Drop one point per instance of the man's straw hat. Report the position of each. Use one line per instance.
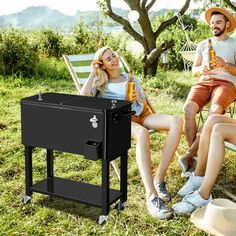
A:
(223, 11)
(217, 218)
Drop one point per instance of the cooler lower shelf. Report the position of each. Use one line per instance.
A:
(73, 190)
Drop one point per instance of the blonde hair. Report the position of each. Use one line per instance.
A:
(101, 77)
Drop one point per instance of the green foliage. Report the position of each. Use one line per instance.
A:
(201, 32)
(196, 32)
(69, 46)
(212, 3)
(51, 68)
(174, 32)
(173, 85)
(17, 55)
(88, 40)
(50, 43)
(18, 49)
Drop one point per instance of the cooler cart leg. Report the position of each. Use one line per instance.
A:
(28, 174)
(49, 163)
(123, 182)
(123, 179)
(50, 171)
(105, 192)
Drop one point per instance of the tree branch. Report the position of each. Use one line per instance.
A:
(143, 4)
(109, 5)
(134, 4)
(126, 25)
(150, 5)
(155, 53)
(230, 4)
(172, 20)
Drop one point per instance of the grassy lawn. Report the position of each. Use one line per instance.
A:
(54, 216)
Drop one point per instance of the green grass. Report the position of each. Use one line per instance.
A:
(46, 216)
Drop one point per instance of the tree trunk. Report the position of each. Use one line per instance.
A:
(149, 36)
(150, 69)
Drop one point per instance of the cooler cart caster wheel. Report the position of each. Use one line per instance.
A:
(26, 199)
(102, 219)
(120, 206)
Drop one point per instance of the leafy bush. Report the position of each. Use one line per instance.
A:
(17, 55)
(87, 39)
(50, 43)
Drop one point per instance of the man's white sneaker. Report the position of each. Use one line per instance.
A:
(193, 183)
(156, 207)
(190, 202)
(162, 191)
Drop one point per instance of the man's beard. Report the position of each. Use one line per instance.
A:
(219, 33)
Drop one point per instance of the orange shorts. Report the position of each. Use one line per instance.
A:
(217, 91)
(145, 113)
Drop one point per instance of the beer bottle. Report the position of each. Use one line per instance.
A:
(130, 87)
(212, 55)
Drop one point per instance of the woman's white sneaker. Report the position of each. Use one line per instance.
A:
(156, 207)
(194, 182)
(190, 202)
(162, 191)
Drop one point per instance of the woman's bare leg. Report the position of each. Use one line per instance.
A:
(205, 141)
(173, 125)
(220, 133)
(143, 158)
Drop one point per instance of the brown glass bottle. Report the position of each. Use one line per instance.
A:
(212, 55)
(130, 87)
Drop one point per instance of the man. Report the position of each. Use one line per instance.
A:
(216, 85)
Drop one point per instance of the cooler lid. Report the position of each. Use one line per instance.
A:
(76, 102)
(94, 104)
(48, 99)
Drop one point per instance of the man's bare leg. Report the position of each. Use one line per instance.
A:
(187, 160)
(190, 110)
(214, 109)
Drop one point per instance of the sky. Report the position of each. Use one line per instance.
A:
(70, 7)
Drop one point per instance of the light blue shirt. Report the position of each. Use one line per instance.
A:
(118, 91)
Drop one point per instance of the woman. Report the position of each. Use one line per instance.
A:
(196, 191)
(106, 81)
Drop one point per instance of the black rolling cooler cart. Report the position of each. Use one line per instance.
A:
(94, 127)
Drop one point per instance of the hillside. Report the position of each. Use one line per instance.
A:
(42, 16)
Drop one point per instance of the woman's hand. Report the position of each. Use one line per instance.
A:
(95, 65)
(135, 97)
